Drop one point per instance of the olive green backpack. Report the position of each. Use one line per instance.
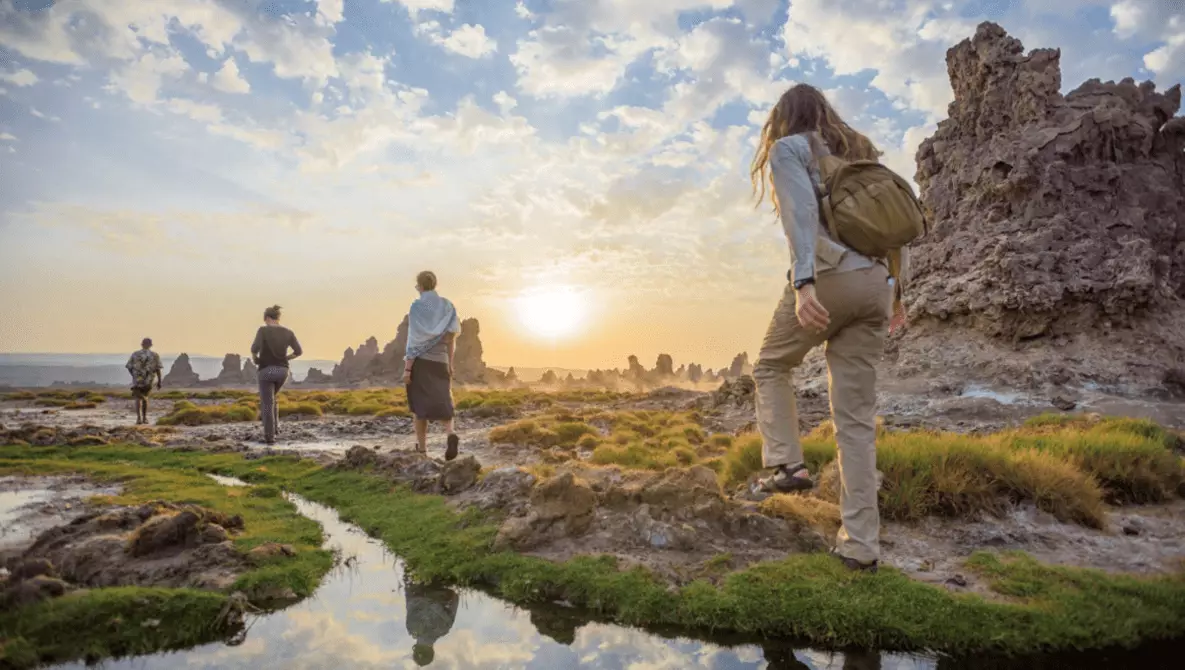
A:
(869, 208)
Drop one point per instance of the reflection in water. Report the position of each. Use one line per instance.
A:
(431, 611)
(366, 614)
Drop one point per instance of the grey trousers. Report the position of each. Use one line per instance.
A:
(271, 380)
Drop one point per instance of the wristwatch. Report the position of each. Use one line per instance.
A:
(803, 282)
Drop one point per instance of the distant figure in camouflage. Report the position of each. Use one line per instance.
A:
(144, 365)
(431, 612)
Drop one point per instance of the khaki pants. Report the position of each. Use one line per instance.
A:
(858, 302)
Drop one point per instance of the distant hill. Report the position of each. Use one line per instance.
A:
(45, 369)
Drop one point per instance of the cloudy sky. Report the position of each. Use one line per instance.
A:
(171, 167)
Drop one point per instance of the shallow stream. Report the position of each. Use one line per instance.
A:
(364, 615)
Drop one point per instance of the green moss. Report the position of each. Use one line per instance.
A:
(186, 413)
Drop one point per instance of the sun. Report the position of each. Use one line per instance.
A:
(552, 312)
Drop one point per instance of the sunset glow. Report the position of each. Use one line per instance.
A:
(551, 313)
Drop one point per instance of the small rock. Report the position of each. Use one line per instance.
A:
(271, 550)
(150, 623)
(1063, 403)
(30, 568)
(163, 531)
(213, 534)
(957, 580)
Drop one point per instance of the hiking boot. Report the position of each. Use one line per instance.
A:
(785, 480)
(451, 451)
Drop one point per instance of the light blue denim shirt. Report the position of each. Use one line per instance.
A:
(797, 184)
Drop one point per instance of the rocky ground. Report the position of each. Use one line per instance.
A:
(55, 541)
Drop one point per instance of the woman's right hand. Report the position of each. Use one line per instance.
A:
(406, 377)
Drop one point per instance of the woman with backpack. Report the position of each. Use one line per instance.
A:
(819, 170)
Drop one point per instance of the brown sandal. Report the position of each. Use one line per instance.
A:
(786, 480)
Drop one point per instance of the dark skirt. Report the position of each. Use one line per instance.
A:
(430, 395)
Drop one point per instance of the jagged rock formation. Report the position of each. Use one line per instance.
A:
(664, 366)
(355, 365)
(181, 373)
(694, 373)
(368, 364)
(315, 376)
(740, 366)
(250, 372)
(549, 378)
(232, 370)
(467, 359)
(1058, 224)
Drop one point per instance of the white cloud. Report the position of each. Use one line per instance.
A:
(904, 41)
(561, 61)
(7, 137)
(229, 79)
(39, 114)
(19, 78)
(505, 101)
(418, 6)
(583, 48)
(333, 11)
(521, 10)
(141, 79)
(1161, 23)
(469, 40)
(78, 32)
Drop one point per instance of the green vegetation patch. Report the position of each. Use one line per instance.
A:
(186, 413)
(809, 596)
(107, 621)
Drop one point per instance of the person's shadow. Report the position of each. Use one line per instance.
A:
(431, 611)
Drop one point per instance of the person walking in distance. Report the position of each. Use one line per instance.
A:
(432, 327)
(835, 296)
(270, 353)
(143, 366)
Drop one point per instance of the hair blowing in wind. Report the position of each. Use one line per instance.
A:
(803, 108)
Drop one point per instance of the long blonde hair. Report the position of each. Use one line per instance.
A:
(801, 109)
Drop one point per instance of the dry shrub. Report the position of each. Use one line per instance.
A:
(1057, 487)
(821, 515)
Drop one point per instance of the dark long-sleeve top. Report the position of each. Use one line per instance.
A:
(271, 345)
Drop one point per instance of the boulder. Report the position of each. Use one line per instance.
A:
(458, 475)
(560, 507)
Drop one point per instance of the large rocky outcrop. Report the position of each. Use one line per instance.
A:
(1058, 224)
(468, 365)
(181, 373)
(232, 370)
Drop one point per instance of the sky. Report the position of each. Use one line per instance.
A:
(574, 171)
